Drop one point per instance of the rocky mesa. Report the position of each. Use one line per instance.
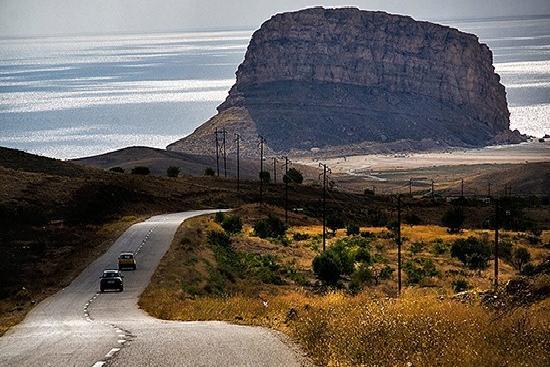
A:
(358, 81)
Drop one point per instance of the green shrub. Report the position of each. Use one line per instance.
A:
(453, 219)
(219, 217)
(334, 222)
(505, 249)
(439, 247)
(265, 177)
(361, 275)
(232, 224)
(209, 172)
(327, 267)
(520, 257)
(116, 169)
(352, 230)
(416, 247)
(300, 236)
(293, 176)
(217, 238)
(473, 252)
(172, 171)
(413, 219)
(417, 269)
(141, 170)
(460, 285)
(271, 226)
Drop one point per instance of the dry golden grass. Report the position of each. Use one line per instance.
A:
(425, 327)
(419, 328)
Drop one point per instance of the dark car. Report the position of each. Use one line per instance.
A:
(111, 280)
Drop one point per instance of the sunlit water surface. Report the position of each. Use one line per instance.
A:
(69, 97)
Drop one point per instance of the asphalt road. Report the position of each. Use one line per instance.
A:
(79, 327)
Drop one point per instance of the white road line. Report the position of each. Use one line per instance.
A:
(99, 364)
(112, 352)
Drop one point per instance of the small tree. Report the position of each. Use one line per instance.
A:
(293, 176)
(116, 169)
(232, 224)
(473, 252)
(265, 177)
(334, 222)
(352, 230)
(141, 170)
(271, 226)
(453, 219)
(209, 172)
(219, 217)
(327, 267)
(520, 257)
(173, 171)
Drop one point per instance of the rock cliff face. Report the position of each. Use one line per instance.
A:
(329, 78)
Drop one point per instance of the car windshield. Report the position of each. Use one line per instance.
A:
(110, 275)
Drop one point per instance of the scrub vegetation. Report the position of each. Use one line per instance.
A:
(341, 305)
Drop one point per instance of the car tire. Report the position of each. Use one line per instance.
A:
(101, 290)
(121, 289)
(135, 267)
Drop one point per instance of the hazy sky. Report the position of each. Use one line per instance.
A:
(26, 17)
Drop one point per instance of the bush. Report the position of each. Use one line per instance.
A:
(219, 217)
(413, 219)
(505, 249)
(217, 238)
(209, 172)
(418, 269)
(116, 169)
(327, 267)
(473, 252)
(460, 285)
(232, 224)
(300, 236)
(272, 227)
(453, 219)
(334, 222)
(172, 171)
(293, 176)
(141, 170)
(352, 230)
(361, 275)
(520, 257)
(265, 177)
(416, 247)
(439, 247)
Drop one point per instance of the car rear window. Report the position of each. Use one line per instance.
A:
(110, 275)
(126, 256)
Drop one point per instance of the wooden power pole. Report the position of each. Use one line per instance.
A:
(398, 230)
(237, 141)
(325, 171)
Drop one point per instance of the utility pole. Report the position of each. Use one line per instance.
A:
(217, 154)
(286, 188)
(237, 141)
(262, 141)
(496, 241)
(325, 170)
(410, 186)
(373, 190)
(398, 244)
(488, 189)
(462, 187)
(433, 192)
(274, 170)
(224, 133)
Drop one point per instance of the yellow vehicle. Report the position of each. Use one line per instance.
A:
(126, 260)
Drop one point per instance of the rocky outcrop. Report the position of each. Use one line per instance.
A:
(320, 78)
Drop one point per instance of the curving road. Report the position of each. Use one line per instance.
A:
(79, 327)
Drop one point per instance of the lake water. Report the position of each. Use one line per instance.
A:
(69, 97)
